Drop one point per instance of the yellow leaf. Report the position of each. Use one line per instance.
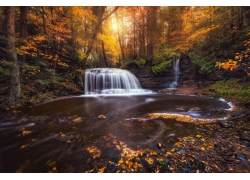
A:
(24, 146)
(172, 150)
(168, 153)
(178, 144)
(154, 153)
(101, 116)
(101, 170)
(149, 160)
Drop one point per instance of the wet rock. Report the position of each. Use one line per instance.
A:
(222, 165)
(60, 121)
(182, 151)
(77, 120)
(247, 105)
(246, 129)
(226, 123)
(171, 135)
(245, 137)
(71, 139)
(188, 169)
(172, 139)
(62, 138)
(221, 159)
(111, 168)
(218, 147)
(242, 158)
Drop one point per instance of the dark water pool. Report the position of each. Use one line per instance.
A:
(74, 133)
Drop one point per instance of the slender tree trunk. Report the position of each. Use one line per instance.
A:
(15, 89)
(240, 19)
(134, 52)
(119, 37)
(104, 55)
(103, 52)
(53, 24)
(23, 36)
(152, 28)
(44, 23)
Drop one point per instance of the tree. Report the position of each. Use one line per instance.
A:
(152, 30)
(99, 11)
(15, 88)
(23, 35)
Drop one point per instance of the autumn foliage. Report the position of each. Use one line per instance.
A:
(55, 44)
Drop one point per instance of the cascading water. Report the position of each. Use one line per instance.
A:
(111, 81)
(176, 71)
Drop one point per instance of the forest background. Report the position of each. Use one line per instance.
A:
(44, 50)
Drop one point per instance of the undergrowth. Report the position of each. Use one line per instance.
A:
(232, 88)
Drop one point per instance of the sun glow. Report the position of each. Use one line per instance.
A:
(114, 26)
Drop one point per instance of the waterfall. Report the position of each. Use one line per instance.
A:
(176, 72)
(111, 81)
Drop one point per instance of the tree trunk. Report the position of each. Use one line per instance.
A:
(152, 28)
(97, 29)
(134, 44)
(44, 23)
(119, 37)
(23, 36)
(104, 55)
(15, 88)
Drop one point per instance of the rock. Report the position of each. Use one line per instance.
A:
(60, 121)
(77, 120)
(226, 123)
(242, 158)
(62, 138)
(222, 165)
(245, 137)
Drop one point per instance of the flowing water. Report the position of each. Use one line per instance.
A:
(111, 81)
(176, 72)
(73, 134)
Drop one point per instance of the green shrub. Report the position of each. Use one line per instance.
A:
(205, 63)
(161, 68)
(5, 67)
(230, 88)
(140, 62)
(45, 83)
(165, 55)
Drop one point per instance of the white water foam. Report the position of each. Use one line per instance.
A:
(231, 106)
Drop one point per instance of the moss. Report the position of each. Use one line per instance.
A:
(230, 88)
(161, 68)
(140, 62)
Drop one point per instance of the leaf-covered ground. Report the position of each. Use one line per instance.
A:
(217, 147)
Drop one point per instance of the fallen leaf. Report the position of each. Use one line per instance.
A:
(101, 170)
(168, 153)
(101, 116)
(24, 146)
